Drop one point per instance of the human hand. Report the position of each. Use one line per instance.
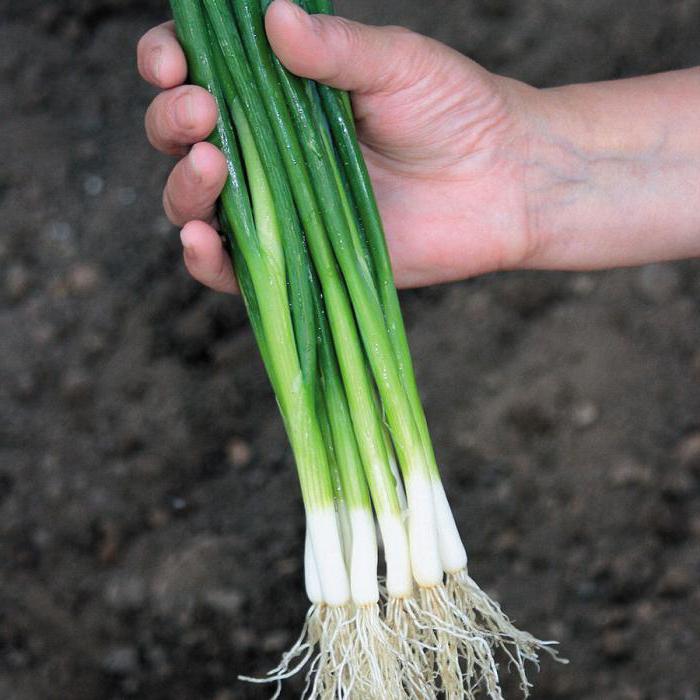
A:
(473, 172)
(439, 135)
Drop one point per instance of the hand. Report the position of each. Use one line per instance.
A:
(442, 139)
(473, 172)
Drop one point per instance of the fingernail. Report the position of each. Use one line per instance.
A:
(156, 62)
(185, 111)
(187, 247)
(195, 171)
(298, 10)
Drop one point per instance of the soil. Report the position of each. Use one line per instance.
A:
(150, 521)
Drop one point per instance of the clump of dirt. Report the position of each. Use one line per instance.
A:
(137, 421)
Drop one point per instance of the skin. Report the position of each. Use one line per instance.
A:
(473, 172)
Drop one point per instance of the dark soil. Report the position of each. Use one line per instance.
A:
(150, 522)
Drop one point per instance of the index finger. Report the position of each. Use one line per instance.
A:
(160, 58)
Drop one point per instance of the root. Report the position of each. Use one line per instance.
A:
(331, 674)
(458, 653)
(375, 659)
(294, 660)
(475, 607)
(417, 674)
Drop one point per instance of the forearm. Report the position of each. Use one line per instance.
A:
(612, 173)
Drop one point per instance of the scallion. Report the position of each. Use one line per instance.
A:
(308, 248)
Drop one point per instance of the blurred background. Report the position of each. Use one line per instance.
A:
(150, 522)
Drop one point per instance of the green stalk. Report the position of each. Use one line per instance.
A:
(296, 404)
(345, 239)
(237, 83)
(365, 418)
(357, 176)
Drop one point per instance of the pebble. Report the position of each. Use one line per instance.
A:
(25, 384)
(275, 641)
(658, 283)
(616, 645)
(158, 517)
(239, 452)
(224, 695)
(125, 592)
(677, 486)
(675, 583)
(83, 278)
(688, 452)
(227, 601)
(93, 185)
(629, 472)
(244, 639)
(76, 385)
(583, 285)
(584, 414)
(17, 282)
(671, 522)
(126, 196)
(121, 660)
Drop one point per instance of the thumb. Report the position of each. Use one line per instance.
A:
(347, 55)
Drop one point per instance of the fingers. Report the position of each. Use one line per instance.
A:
(160, 58)
(341, 53)
(180, 117)
(194, 185)
(205, 257)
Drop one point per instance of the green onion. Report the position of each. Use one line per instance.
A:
(308, 248)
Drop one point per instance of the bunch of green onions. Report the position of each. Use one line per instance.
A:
(308, 249)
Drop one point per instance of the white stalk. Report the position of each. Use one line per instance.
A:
(311, 580)
(423, 532)
(399, 577)
(363, 560)
(453, 555)
(328, 554)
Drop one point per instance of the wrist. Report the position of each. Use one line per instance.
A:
(611, 172)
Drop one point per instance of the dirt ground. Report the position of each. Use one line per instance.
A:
(150, 522)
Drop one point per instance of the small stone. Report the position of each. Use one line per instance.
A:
(224, 695)
(121, 660)
(677, 486)
(83, 278)
(584, 414)
(645, 611)
(239, 452)
(695, 365)
(93, 185)
(274, 641)
(109, 542)
(158, 517)
(616, 645)
(629, 472)
(17, 282)
(507, 542)
(162, 226)
(25, 385)
(287, 566)
(244, 639)
(583, 284)
(126, 196)
(614, 618)
(670, 521)
(657, 283)
(179, 504)
(125, 592)
(688, 452)
(43, 333)
(76, 385)
(675, 583)
(225, 601)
